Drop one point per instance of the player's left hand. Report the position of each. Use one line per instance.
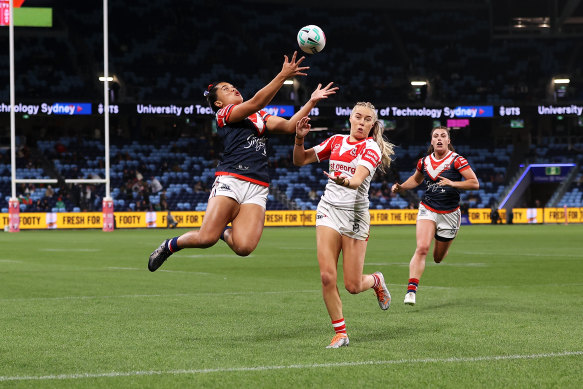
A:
(445, 182)
(337, 177)
(323, 93)
(303, 127)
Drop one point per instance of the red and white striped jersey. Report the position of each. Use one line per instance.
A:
(344, 157)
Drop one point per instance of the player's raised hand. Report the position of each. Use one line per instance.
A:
(291, 67)
(323, 93)
(303, 127)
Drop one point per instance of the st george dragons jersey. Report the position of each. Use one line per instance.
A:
(442, 199)
(245, 143)
(344, 157)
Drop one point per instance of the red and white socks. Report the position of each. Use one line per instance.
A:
(377, 280)
(339, 326)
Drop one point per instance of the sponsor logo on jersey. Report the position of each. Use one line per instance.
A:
(338, 167)
(242, 167)
(257, 143)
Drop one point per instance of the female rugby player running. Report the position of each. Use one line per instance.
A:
(239, 193)
(439, 210)
(343, 218)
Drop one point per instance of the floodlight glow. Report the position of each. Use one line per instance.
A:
(561, 81)
(102, 79)
(288, 82)
(418, 83)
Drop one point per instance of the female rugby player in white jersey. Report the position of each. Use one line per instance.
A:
(343, 218)
(439, 211)
(239, 193)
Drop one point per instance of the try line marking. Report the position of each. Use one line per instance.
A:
(283, 367)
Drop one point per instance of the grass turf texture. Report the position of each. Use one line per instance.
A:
(80, 309)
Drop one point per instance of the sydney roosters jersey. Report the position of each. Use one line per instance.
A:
(344, 157)
(442, 199)
(245, 143)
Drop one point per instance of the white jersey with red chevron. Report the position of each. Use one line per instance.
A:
(344, 158)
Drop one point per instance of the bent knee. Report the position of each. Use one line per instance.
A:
(243, 251)
(352, 287)
(328, 278)
(422, 250)
(439, 257)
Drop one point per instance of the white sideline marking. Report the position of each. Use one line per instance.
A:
(521, 254)
(282, 367)
(69, 250)
(165, 271)
(459, 264)
(157, 295)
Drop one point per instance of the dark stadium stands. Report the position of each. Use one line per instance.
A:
(181, 47)
(168, 51)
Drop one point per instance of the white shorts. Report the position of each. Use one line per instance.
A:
(354, 224)
(243, 192)
(446, 224)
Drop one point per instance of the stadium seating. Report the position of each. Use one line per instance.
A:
(185, 168)
(573, 197)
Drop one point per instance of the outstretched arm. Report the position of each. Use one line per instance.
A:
(264, 96)
(283, 126)
(412, 182)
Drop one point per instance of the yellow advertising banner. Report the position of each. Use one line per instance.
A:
(480, 215)
(527, 215)
(32, 221)
(185, 219)
(130, 219)
(393, 216)
(66, 220)
(285, 218)
(558, 215)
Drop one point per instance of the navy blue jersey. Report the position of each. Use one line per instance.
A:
(245, 143)
(441, 199)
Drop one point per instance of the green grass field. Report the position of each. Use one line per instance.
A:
(80, 309)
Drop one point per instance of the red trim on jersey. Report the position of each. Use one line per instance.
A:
(223, 115)
(464, 168)
(242, 178)
(436, 211)
(435, 163)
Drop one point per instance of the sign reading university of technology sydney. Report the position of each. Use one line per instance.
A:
(477, 111)
(49, 109)
(560, 110)
(202, 110)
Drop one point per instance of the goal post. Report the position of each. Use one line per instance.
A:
(13, 203)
